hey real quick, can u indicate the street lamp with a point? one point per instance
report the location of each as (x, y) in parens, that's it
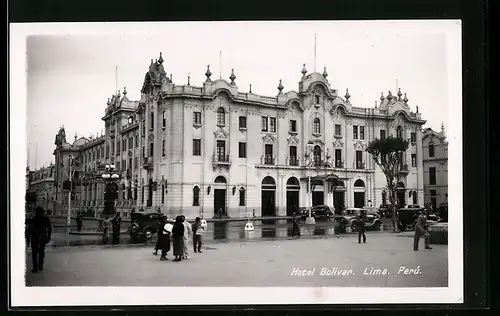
(310, 219)
(111, 188)
(72, 161)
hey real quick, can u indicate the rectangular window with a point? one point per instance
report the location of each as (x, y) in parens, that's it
(151, 150)
(136, 140)
(163, 148)
(361, 132)
(112, 148)
(359, 159)
(135, 164)
(144, 151)
(163, 119)
(162, 194)
(242, 150)
(413, 160)
(129, 163)
(355, 132)
(293, 156)
(93, 155)
(431, 150)
(118, 147)
(124, 145)
(382, 134)
(243, 122)
(124, 164)
(338, 130)
(197, 118)
(130, 143)
(432, 175)
(107, 150)
(143, 127)
(268, 158)
(293, 126)
(221, 150)
(242, 197)
(118, 166)
(338, 158)
(196, 147)
(273, 125)
(264, 124)
(316, 99)
(413, 137)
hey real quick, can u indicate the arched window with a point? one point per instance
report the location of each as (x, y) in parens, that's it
(221, 117)
(431, 149)
(415, 197)
(242, 196)
(196, 196)
(317, 155)
(316, 126)
(399, 132)
(359, 183)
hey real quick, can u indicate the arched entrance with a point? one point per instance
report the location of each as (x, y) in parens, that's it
(220, 188)
(338, 188)
(292, 196)
(268, 193)
(400, 193)
(359, 193)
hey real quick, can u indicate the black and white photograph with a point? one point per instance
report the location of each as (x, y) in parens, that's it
(258, 162)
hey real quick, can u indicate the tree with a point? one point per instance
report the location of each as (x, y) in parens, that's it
(388, 155)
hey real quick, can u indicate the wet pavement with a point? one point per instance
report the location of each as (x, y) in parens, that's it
(216, 232)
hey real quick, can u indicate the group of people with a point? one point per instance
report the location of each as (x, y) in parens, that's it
(38, 234)
(180, 232)
(113, 224)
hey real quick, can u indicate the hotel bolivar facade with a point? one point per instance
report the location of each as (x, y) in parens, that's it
(197, 150)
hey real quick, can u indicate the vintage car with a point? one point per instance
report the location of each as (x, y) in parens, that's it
(371, 218)
(407, 217)
(144, 224)
(318, 212)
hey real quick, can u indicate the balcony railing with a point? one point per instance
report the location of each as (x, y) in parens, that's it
(360, 165)
(339, 164)
(293, 161)
(221, 159)
(267, 160)
(403, 169)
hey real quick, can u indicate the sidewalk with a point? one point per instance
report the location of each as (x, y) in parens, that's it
(264, 263)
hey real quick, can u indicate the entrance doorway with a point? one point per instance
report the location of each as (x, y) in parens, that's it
(359, 193)
(318, 193)
(268, 193)
(220, 196)
(292, 196)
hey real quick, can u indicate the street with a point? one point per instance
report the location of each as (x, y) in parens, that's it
(279, 262)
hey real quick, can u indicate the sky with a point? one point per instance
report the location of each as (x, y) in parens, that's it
(71, 70)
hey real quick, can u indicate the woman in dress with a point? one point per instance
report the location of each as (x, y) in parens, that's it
(178, 238)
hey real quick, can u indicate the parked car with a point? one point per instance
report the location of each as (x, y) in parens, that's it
(322, 212)
(384, 211)
(407, 217)
(371, 219)
(303, 212)
(144, 224)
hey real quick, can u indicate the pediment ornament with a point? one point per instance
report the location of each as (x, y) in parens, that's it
(338, 144)
(268, 138)
(359, 145)
(220, 133)
(293, 140)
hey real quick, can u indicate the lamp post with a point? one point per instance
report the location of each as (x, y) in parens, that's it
(310, 219)
(111, 190)
(72, 161)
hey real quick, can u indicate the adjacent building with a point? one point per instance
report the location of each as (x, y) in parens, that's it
(40, 188)
(435, 149)
(204, 150)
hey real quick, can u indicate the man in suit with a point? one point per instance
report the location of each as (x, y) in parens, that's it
(421, 230)
(39, 234)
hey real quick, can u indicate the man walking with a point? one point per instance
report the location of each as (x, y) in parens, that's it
(79, 222)
(197, 230)
(187, 232)
(421, 230)
(117, 220)
(39, 233)
(360, 226)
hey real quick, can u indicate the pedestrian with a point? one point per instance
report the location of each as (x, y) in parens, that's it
(295, 226)
(117, 220)
(161, 223)
(164, 237)
(360, 227)
(187, 232)
(253, 212)
(178, 238)
(132, 211)
(79, 222)
(421, 230)
(141, 209)
(198, 231)
(106, 224)
(39, 232)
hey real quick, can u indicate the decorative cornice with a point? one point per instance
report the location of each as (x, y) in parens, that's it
(268, 139)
